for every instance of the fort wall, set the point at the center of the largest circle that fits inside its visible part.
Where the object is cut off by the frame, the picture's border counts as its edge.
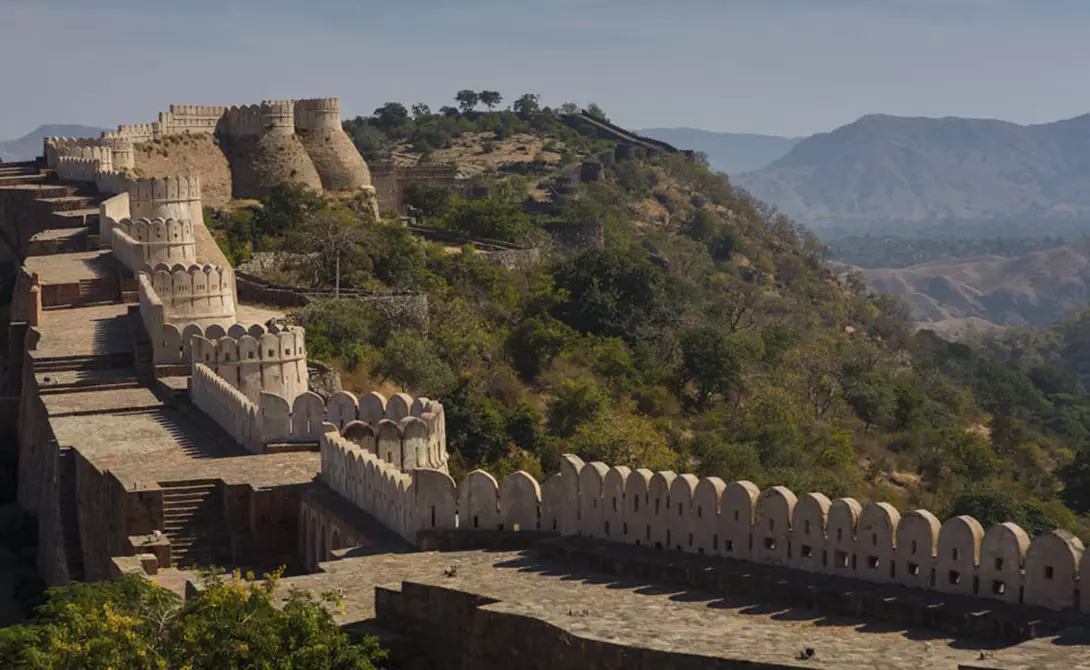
(871, 542)
(340, 166)
(232, 410)
(255, 360)
(200, 295)
(142, 244)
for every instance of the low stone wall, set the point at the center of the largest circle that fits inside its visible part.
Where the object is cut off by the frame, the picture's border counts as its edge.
(462, 635)
(707, 516)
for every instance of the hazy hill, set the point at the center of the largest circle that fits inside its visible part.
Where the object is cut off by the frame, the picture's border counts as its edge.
(727, 152)
(886, 173)
(29, 146)
(1037, 288)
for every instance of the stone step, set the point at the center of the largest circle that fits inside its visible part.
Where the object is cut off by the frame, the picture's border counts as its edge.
(83, 363)
(176, 484)
(58, 241)
(68, 203)
(16, 179)
(66, 380)
(83, 217)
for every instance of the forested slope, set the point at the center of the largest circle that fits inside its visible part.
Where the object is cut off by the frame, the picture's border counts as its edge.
(707, 336)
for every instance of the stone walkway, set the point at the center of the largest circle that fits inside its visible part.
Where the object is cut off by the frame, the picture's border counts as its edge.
(633, 613)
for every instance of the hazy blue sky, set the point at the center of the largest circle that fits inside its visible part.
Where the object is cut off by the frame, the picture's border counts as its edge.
(787, 67)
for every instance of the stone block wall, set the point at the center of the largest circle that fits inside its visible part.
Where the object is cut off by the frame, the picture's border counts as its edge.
(143, 244)
(232, 410)
(872, 542)
(255, 360)
(200, 295)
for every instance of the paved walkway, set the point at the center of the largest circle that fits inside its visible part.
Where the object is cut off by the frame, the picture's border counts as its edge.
(670, 618)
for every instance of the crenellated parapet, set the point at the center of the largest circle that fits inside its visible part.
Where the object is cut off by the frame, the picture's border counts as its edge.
(255, 360)
(200, 295)
(278, 116)
(55, 147)
(318, 114)
(122, 152)
(872, 542)
(141, 244)
(242, 121)
(191, 119)
(136, 132)
(160, 197)
(73, 168)
(404, 432)
(75, 160)
(227, 406)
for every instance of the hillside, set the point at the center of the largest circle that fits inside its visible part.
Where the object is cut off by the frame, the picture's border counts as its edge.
(1034, 289)
(727, 152)
(696, 333)
(29, 146)
(894, 174)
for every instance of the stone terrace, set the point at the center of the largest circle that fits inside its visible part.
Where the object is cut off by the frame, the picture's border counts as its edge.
(635, 614)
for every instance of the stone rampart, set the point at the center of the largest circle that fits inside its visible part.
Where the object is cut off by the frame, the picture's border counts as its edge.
(232, 410)
(871, 542)
(122, 152)
(142, 244)
(159, 197)
(73, 168)
(403, 431)
(194, 294)
(136, 132)
(55, 147)
(255, 359)
(190, 119)
(340, 166)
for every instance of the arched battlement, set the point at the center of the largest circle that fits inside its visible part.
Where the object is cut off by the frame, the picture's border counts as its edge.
(194, 294)
(141, 244)
(1002, 559)
(1043, 572)
(958, 555)
(1052, 565)
(55, 147)
(808, 523)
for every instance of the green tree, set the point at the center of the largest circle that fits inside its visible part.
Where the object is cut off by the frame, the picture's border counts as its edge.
(233, 622)
(578, 401)
(527, 106)
(622, 438)
(489, 218)
(710, 361)
(490, 99)
(467, 100)
(595, 111)
(391, 117)
(449, 112)
(429, 200)
(420, 110)
(413, 363)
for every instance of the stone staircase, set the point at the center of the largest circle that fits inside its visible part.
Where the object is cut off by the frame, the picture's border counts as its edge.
(66, 213)
(193, 520)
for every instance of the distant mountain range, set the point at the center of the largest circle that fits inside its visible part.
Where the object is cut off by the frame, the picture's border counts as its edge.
(727, 152)
(1034, 289)
(888, 174)
(29, 146)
